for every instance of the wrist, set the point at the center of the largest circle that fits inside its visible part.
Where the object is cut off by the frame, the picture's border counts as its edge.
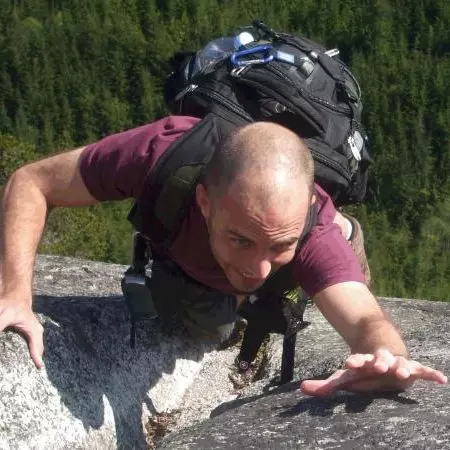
(16, 296)
(379, 335)
(395, 351)
(12, 282)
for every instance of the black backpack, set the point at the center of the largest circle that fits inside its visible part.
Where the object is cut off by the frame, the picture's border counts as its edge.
(295, 82)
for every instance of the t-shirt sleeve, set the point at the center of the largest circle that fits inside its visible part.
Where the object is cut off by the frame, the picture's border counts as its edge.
(325, 259)
(117, 166)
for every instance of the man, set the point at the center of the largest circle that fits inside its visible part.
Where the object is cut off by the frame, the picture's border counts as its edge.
(246, 221)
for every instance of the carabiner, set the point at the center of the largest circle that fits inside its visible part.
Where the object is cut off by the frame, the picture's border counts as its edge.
(266, 50)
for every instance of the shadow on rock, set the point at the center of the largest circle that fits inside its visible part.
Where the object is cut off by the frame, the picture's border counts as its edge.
(315, 406)
(268, 390)
(354, 403)
(98, 376)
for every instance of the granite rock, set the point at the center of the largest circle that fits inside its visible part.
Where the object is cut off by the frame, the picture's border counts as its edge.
(95, 391)
(281, 417)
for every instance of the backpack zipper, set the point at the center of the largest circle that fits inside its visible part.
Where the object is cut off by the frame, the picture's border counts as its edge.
(313, 98)
(223, 101)
(330, 163)
(186, 90)
(307, 94)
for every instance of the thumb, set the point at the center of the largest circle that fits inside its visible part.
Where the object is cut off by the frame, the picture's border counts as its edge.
(317, 388)
(329, 386)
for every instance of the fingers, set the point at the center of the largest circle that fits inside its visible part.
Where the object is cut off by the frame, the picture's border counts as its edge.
(436, 375)
(384, 361)
(26, 323)
(33, 331)
(405, 369)
(36, 343)
(381, 362)
(371, 372)
(359, 360)
(5, 318)
(409, 369)
(402, 368)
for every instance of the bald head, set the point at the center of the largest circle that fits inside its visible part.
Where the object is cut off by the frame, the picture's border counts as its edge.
(263, 157)
(255, 200)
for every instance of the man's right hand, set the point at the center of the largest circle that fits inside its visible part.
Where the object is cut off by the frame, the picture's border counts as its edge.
(20, 317)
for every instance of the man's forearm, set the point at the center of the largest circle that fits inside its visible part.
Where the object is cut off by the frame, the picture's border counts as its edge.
(22, 220)
(376, 333)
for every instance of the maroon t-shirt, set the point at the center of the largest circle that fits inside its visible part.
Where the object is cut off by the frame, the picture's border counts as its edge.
(118, 166)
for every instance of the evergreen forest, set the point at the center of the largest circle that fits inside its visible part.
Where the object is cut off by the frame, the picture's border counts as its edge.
(74, 71)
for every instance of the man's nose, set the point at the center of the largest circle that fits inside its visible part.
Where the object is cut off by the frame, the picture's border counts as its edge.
(261, 269)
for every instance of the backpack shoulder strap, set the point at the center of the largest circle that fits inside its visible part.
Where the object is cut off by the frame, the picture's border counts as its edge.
(172, 183)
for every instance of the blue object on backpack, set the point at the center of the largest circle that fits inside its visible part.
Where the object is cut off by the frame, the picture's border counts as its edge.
(238, 58)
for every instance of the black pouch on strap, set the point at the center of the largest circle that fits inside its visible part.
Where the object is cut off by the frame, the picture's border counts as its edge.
(136, 285)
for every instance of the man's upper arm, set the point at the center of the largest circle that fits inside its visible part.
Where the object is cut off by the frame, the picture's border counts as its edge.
(59, 179)
(114, 168)
(326, 259)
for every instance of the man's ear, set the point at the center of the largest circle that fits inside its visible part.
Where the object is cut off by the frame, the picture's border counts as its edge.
(201, 196)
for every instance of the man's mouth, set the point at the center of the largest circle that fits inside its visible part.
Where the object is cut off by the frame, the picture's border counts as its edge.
(250, 277)
(247, 275)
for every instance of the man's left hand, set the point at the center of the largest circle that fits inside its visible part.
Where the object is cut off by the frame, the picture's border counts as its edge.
(381, 371)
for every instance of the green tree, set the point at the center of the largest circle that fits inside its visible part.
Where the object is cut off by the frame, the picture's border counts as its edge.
(13, 153)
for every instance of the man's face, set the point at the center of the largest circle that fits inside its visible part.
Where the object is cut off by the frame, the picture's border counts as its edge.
(250, 238)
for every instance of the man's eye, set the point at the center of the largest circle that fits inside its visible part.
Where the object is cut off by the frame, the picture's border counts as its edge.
(282, 248)
(242, 243)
